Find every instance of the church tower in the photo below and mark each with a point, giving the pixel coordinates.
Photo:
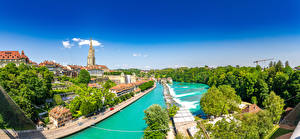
(91, 55)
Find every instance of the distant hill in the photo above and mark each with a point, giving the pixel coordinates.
(11, 115)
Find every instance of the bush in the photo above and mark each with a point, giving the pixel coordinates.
(58, 100)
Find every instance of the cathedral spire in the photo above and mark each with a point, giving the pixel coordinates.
(91, 43)
(91, 55)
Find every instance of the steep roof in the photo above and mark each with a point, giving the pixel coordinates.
(76, 67)
(122, 87)
(50, 63)
(12, 55)
(93, 67)
(59, 111)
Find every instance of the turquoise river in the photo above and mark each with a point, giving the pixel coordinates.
(131, 117)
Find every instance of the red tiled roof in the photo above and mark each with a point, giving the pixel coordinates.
(251, 109)
(140, 82)
(137, 90)
(93, 85)
(52, 63)
(76, 67)
(12, 55)
(59, 111)
(33, 63)
(102, 66)
(122, 87)
(93, 67)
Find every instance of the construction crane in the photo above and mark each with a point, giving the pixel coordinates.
(262, 60)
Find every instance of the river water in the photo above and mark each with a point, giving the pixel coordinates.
(131, 117)
(189, 95)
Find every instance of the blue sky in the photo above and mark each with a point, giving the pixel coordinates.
(153, 33)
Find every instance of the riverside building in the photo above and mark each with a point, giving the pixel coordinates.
(59, 116)
(122, 89)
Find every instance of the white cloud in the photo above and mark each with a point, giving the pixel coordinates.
(80, 42)
(66, 44)
(140, 55)
(87, 42)
(76, 39)
(136, 54)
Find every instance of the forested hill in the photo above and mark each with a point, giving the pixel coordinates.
(252, 84)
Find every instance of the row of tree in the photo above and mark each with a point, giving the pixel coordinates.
(252, 84)
(27, 86)
(146, 85)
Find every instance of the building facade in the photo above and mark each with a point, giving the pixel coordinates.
(59, 116)
(56, 68)
(124, 88)
(95, 70)
(13, 57)
(122, 78)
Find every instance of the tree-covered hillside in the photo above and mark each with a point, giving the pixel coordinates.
(250, 83)
(27, 86)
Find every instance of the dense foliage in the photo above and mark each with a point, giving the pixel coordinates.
(227, 100)
(173, 110)
(250, 83)
(274, 104)
(246, 125)
(27, 86)
(249, 126)
(92, 100)
(146, 85)
(157, 120)
(84, 77)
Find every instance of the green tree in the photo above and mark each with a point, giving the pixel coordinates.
(227, 102)
(279, 66)
(254, 100)
(280, 83)
(286, 64)
(157, 119)
(173, 110)
(58, 100)
(209, 104)
(224, 129)
(85, 107)
(274, 104)
(84, 76)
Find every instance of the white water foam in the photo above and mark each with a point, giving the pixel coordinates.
(186, 94)
(186, 104)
